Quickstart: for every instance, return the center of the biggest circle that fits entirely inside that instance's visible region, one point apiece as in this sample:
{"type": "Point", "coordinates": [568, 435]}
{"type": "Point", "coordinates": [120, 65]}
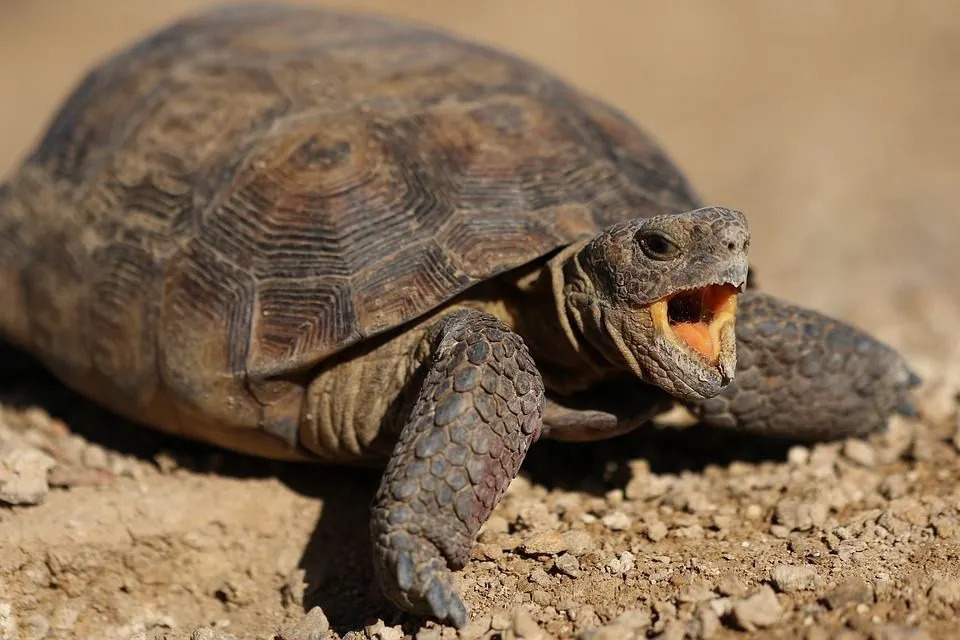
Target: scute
{"type": "Point", "coordinates": [254, 189]}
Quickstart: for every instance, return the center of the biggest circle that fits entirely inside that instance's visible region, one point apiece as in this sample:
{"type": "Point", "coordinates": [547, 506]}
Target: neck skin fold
{"type": "Point", "coordinates": [559, 311]}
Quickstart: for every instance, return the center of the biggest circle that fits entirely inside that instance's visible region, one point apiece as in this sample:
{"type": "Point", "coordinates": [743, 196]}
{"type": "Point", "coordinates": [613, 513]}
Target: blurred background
{"type": "Point", "coordinates": [834, 126]}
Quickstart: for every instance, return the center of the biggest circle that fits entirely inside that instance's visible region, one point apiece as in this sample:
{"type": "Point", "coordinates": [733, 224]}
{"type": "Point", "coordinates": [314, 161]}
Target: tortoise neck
{"type": "Point", "coordinates": [554, 327]}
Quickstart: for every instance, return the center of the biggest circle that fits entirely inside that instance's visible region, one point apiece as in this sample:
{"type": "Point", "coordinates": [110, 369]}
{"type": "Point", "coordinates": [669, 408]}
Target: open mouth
{"type": "Point", "coordinates": [696, 318]}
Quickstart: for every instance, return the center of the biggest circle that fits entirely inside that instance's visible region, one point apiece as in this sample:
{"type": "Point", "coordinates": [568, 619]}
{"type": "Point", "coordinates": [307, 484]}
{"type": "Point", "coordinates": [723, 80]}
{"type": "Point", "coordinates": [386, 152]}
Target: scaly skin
{"type": "Point", "coordinates": [477, 413]}
{"type": "Point", "coordinates": [806, 376]}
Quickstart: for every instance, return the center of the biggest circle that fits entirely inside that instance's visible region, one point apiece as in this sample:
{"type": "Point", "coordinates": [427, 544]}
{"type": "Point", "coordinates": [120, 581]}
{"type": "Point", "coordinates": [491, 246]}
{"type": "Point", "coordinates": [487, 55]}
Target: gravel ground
{"type": "Point", "coordinates": [834, 129]}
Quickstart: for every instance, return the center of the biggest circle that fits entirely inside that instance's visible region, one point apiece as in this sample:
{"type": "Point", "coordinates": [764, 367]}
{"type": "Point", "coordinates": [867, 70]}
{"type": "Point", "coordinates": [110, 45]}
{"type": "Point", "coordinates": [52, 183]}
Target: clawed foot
{"type": "Point", "coordinates": [414, 575]}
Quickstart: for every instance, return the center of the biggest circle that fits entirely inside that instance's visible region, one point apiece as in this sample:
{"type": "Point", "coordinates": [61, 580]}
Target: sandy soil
{"type": "Point", "coordinates": [834, 128]}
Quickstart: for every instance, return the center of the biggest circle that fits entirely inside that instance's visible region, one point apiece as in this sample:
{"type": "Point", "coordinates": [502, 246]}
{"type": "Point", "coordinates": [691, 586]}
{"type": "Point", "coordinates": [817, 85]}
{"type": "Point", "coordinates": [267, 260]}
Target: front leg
{"type": "Point", "coordinates": [478, 411]}
{"type": "Point", "coordinates": [805, 376]}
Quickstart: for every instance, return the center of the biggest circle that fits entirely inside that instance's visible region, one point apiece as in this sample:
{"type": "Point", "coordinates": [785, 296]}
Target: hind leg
{"type": "Point", "coordinates": [478, 411]}
{"type": "Point", "coordinates": [806, 376]}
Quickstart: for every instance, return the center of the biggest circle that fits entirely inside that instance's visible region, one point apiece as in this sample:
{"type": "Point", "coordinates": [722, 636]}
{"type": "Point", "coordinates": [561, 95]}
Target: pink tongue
{"type": "Point", "coordinates": [697, 335]}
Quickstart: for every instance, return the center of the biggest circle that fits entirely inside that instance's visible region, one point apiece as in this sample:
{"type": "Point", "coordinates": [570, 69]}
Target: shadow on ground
{"type": "Point", "coordinates": [336, 561]}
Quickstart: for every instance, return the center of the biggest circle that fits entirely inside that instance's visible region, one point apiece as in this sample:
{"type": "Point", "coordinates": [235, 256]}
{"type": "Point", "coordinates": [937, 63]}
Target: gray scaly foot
{"type": "Point", "coordinates": [803, 375]}
{"type": "Point", "coordinates": [477, 413]}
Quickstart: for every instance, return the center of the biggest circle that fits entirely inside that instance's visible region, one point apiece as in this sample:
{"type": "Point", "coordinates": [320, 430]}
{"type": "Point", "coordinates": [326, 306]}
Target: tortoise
{"type": "Point", "coordinates": [307, 234]}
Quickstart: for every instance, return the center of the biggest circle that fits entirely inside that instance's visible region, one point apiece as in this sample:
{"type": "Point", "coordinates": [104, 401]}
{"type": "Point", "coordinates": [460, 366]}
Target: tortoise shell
{"type": "Point", "coordinates": [256, 188]}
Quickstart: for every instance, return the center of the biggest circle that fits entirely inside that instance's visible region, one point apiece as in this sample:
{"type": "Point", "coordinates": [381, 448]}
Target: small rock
{"type": "Point", "coordinates": [578, 542]}
{"type": "Point", "coordinates": [899, 632]}
{"type": "Point", "coordinates": [36, 628]}
{"type": "Point", "coordinates": [23, 476]}
{"type": "Point", "coordinates": [541, 597]}
{"type": "Point", "coordinates": [850, 591]}
{"type": "Point", "coordinates": [8, 623]}
{"type": "Point", "coordinates": [789, 578]}
{"type": "Point", "coordinates": [672, 630]}
{"type": "Point", "coordinates": [549, 543]}
{"type": "Point", "coordinates": [909, 510]}
{"type": "Point", "coordinates": [860, 451]}
{"type": "Point", "coordinates": [656, 531]}
{"type": "Point", "coordinates": [644, 486]}
{"type": "Point", "coordinates": [758, 611]}
{"type": "Point", "coordinates": [313, 626]}
{"type": "Point", "coordinates": [568, 564]}
{"type": "Point", "coordinates": [753, 512]}
{"type": "Point", "coordinates": [524, 626]}
{"type": "Point", "coordinates": [946, 591]}
{"type": "Point", "coordinates": [616, 521]}
{"type": "Point", "coordinates": [894, 486]}
{"type": "Point", "coordinates": [696, 593]}
{"type": "Point", "coordinates": [798, 455]}
{"type": "Point", "coordinates": [390, 633]}
{"type": "Point", "coordinates": [801, 515]}
{"type": "Point", "coordinates": [497, 525]}
{"type": "Point", "coordinates": [435, 633]}
{"type": "Point", "coordinates": [630, 625]}
{"type": "Point", "coordinates": [707, 623]}
{"type": "Point", "coordinates": [619, 565]}
{"type": "Point", "coordinates": [732, 585]}
{"type": "Point", "coordinates": [540, 577]}
{"type": "Point", "coordinates": [293, 589]}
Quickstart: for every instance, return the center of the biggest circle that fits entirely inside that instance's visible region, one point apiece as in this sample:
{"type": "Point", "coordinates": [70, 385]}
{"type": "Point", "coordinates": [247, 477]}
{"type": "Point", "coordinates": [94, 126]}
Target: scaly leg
{"type": "Point", "coordinates": [805, 376]}
{"type": "Point", "coordinates": [477, 413]}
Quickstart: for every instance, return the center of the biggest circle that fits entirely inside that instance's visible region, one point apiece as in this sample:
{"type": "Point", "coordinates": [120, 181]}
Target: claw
{"type": "Point", "coordinates": [457, 615]}
{"type": "Point", "coordinates": [907, 409]}
{"type": "Point", "coordinates": [406, 570]}
{"type": "Point", "coordinates": [446, 605]}
{"type": "Point", "coordinates": [437, 599]}
{"type": "Point", "coordinates": [913, 380]}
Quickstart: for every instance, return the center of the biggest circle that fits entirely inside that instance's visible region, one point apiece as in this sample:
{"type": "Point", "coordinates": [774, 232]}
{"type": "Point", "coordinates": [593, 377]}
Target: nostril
{"type": "Point", "coordinates": [732, 246]}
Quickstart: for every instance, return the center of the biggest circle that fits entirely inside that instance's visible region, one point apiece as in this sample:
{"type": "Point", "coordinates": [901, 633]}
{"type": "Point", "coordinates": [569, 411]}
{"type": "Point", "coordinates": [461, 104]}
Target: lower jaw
{"type": "Point", "coordinates": [702, 341]}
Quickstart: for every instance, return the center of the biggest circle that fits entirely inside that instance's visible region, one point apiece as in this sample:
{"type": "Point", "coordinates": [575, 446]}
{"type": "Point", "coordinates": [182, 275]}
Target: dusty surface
{"type": "Point", "coordinates": [834, 130]}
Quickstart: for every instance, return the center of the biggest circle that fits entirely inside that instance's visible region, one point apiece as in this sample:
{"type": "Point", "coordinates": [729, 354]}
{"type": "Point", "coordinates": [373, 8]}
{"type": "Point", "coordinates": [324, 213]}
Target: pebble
{"type": "Point", "coordinates": [946, 591]}
{"type": "Point", "coordinates": [790, 578]}
{"type": "Point", "coordinates": [850, 591]}
{"type": "Point", "coordinates": [540, 577]}
{"type": "Point", "coordinates": [435, 633]}
{"type": "Point", "coordinates": [860, 451]}
{"type": "Point", "coordinates": [621, 564]}
{"type": "Point", "coordinates": [616, 521]}
{"type": "Point", "coordinates": [549, 543]}
{"type": "Point", "coordinates": [758, 611]}
{"type": "Point", "coordinates": [894, 486]}
{"type": "Point", "coordinates": [630, 625]}
{"type": "Point", "coordinates": [647, 487]}
{"type": "Point", "coordinates": [313, 626]}
{"type": "Point", "coordinates": [8, 623]}
{"type": "Point", "coordinates": [909, 510]}
{"type": "Point", "coordinates": [578, 542]}
{"type": "Point", "coordinates": [569, 565]}
{"type": "Point", "coordinates": [524, 626]}
{"type": "Point", "coordinates": [23, 476]}
{"type": "Point", "coordinates": [36, 627]}
{"type": "Point", "coordinates": [707, 623]}
{"type": "Point", "coordinates": [800, 515]}
{"type": "Point", "coordinates": [899, 632]}
{"type": "Point", "coordinates": [798, 455]}
{"type": "Point", "coordinates": [732, 585]}
{"type": "Point", "coordinates": [656, 531]}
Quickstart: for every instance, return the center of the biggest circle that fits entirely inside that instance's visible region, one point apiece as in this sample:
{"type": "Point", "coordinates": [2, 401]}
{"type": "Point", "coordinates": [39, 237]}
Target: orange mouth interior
{"type": "Point", "coordinates": [696, 317]}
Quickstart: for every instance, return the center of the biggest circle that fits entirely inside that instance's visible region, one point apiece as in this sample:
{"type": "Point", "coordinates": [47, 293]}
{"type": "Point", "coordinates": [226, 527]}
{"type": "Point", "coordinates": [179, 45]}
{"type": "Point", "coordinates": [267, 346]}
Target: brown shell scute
{"type": "Point", "coordinates": [260, 187]}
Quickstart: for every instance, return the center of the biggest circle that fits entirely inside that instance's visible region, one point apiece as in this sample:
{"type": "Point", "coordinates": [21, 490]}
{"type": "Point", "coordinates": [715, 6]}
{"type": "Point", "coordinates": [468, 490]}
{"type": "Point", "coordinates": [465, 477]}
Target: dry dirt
{"type": "Point", "coordinates": [833, 125]}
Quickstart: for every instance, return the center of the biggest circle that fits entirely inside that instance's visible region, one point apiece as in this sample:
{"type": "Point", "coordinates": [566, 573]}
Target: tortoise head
{"type": "Point", "coordinates": [657, 296]}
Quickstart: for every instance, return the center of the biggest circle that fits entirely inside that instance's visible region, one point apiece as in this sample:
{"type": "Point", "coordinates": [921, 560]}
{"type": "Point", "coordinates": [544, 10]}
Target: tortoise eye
{"type": "Point", "coordinates": [658, 245]}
